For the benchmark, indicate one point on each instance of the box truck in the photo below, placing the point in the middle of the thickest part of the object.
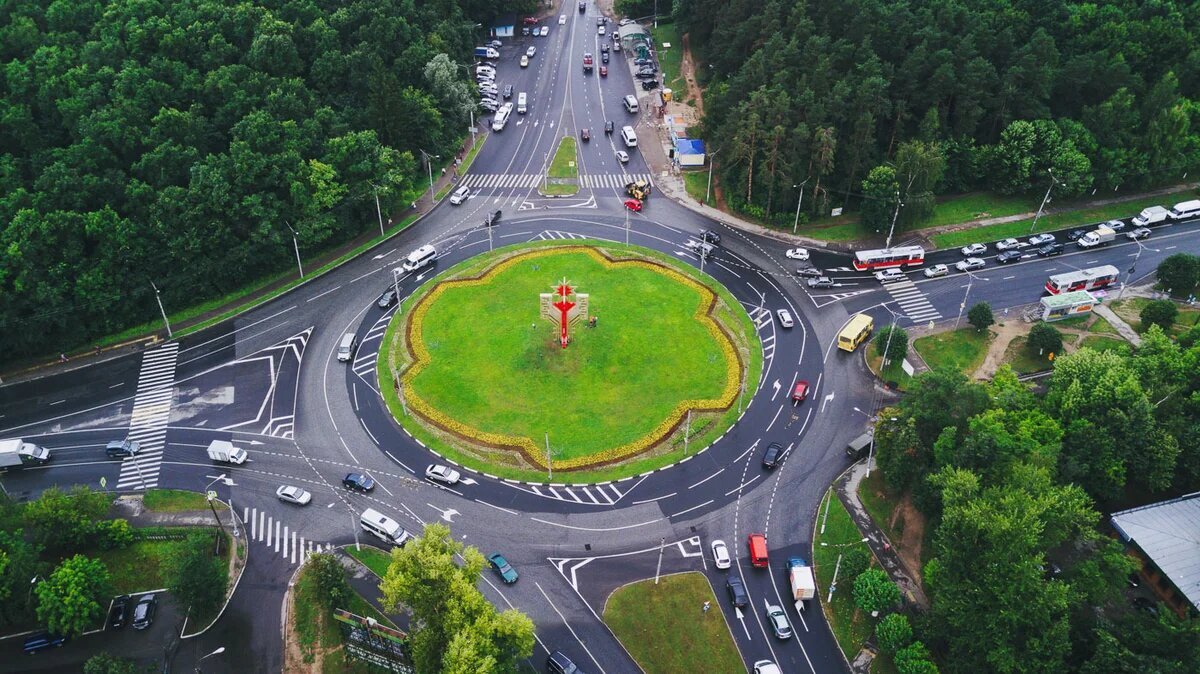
(223, 450)
(16, 453)
(800, 576)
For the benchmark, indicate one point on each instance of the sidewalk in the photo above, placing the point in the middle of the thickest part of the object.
(847, 491)
(1124, 329)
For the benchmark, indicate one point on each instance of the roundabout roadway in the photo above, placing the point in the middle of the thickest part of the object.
(269, 380)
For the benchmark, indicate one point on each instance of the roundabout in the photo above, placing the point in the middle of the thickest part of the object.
(480, 373)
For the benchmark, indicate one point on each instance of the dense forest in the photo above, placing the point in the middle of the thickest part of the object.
(177, 143)
(936, 96)
(1024, 573)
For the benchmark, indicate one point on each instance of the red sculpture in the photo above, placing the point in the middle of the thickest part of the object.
(564, 306)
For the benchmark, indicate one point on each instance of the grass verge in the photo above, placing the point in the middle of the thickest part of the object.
(565, 163)
(373, 558)
(670, 59)
(963, 350)
(665, 630)
(138, 566)
(975, 206)
(850, 626)
(1104, 343)
(1080, 216)
(177, 500)
(894, 372)
(559, 189)
(1024, 361)
(472, 152)
(696, 183)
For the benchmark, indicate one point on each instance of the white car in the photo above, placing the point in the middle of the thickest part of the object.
(524, 61)
(785, 318)
(1008, 244)
(485, 70)
(766, 667)
(443, 474)
(720, 554)
(545, 31)
(292, 494)
(797, 253)
(936, 271)
(973, 249)
(531, 52)
(623, 156)
(562, 19)
(1041, 239)
(600, 31)
(460, 195)
(488, 88)
(969, 264)
(888, 275)
(1139, 233)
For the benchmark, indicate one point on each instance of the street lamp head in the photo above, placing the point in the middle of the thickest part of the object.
(222, 648)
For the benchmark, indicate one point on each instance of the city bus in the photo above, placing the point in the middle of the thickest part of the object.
(868, 260)
(857, 329)
(1084, 279)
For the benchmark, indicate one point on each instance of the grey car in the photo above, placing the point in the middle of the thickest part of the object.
(820, 282)
(779, 622)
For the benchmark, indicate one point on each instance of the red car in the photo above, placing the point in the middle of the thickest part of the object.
(800, 392)
(530, 20)
(603, 71)
(634, 205)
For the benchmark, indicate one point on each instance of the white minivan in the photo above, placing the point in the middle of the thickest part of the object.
(345, 349)
(420, 257)
(1186, 210)
(631, 104)
(460, 195)
(383, 527)
(629, 136)
(521, 109)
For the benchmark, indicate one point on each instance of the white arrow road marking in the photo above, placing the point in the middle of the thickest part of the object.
(255, 442)
(742, 619)
(828, 399)
(447, 514)
(775, 385)
(467, 480)
(383, 255)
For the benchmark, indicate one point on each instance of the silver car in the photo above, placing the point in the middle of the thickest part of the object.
(820, 282)
(779, 622)
(970, 264)
(290, 494)
(785, 318)
(444, 474)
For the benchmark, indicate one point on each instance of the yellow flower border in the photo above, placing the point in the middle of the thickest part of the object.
(420, 358)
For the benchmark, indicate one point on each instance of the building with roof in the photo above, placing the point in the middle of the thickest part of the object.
(1166, 536)
(504, 26)
(1066, 305)
(689, 152)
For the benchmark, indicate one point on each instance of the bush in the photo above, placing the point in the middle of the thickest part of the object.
(1190, 338)
(1179, 273)
(114, 534)
(331, 579)
(1161, 313)
(981, 316)
(891, 343)
(1044, 339)
(893, 632)
(107, 663)
(874, 591)
(196, 577)
(66, 520)
(855, 560)
(914, 659)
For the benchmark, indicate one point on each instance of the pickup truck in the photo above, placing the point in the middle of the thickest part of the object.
(800, 576)
(1100, 236)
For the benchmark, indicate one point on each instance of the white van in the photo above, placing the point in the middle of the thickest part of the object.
(629, 136)
(420, 257)
(383, 527)
(1186, 210)
(346, 347)
(460, 195)
(631, 103)
(501, 117)
(521, 103)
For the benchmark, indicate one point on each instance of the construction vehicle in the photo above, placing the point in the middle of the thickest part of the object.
(638, 189)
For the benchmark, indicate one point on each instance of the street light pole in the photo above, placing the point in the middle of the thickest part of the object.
(1045, 199)
(429, 165)
(711, 161)
(162, 311)
(378, 210)
(1129, 274)
(961, 307)
(296, 243)
(216, 652)
(798, 202)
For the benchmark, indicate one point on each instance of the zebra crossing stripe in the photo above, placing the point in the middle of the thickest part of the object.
(528, 180)
(148, 418)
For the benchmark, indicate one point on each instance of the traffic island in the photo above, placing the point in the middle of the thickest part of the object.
(649, 369)
(562, 177)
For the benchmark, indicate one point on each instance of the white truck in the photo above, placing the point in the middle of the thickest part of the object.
(1100, 236)
(16, 453)
(1154, 215)
(800, 576)
(223, 450)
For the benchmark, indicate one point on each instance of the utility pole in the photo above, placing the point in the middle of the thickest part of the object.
(162, 311)
(895, 216)
(626, 226)
(961, 307)
(296, 243)
(687, 431)
(708, 191)
(378, 210)
(429, 166)
(549, 460)
(798, 202)
(1045, 200)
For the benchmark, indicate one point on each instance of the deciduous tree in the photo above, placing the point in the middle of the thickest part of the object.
(874, 591)
(69, 601)
(980, 316)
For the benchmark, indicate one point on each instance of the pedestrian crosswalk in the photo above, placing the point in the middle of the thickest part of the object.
(593, 494)
(549, 234)
(148, 420)
(530, 180)
(914, 303)
(762, 318)
(278, 537)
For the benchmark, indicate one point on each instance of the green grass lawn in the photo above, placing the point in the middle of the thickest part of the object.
(696, 183)
(1081, 216)
(1104, 343)
(1102, 327)
(893, 372)
(622, 379)
(963, 349)
(847, 231)
(851, 627)
(1024, 361)
(1131, 309)
(138, 567)
(670, 59)
(664, 629)
(565, 163)
(559, 189)
(977, 205)
(375, 559)
(176, 500)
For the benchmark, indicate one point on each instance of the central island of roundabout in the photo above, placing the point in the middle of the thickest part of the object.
(653, 365)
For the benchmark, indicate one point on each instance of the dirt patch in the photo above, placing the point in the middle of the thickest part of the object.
(1005, 333)
(909, 524)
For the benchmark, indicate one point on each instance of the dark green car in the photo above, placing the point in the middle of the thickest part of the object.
(503, 568)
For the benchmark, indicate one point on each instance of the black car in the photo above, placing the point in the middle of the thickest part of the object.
(737, 591)
(1050, 250)
(646, 76)
(119, 614)
(642, 60)
(585, 135)
(492, 219)
(608, 127)
(709, 236)
(143, 613)
(41, 641)
(647, 85)
(508, 91)
(559, 663)
(387, 299)
(357, 482)
(1008, 256)
(773, 454)
(604, 56)
(1074, 234)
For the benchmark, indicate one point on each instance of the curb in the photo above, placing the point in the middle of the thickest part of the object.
(812, 551)
(229, 598)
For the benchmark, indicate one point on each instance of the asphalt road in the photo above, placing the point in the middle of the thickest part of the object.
(270, 380)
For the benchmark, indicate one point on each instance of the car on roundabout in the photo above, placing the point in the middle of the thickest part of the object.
(502, 568)
(634, 205)
(292, 494)
(785, 318)
(772, 456)
(720, 553)
(800, 392)
(797, 254)
(387, 299)
(779, 622)
(358, 482)
(444, 474)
